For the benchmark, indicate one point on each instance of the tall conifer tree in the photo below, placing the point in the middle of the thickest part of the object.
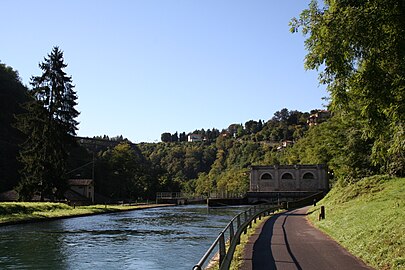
(49, 124)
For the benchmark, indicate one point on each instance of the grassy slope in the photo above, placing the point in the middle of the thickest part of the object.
(34, 211)
(368, 219)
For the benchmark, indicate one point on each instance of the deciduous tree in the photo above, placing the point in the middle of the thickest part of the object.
(360, 48)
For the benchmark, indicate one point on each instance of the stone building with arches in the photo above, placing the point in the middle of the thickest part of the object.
(289, 178)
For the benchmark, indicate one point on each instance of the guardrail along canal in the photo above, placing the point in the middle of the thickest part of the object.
(159, 238)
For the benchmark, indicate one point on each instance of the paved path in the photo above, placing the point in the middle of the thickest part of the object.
(288, 241)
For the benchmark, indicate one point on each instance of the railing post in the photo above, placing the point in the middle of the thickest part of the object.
(246, 217)
(222, 251)
(238, 222)
(231, 231)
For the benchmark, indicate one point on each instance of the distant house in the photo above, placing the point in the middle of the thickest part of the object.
(318, 117)
(83, 187)
(9, 196)
(194, 138)
(285, 144)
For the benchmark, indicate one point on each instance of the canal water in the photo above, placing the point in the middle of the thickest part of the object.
(159, 238)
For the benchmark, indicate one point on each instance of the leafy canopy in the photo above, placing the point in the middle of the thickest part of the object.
(360, 48)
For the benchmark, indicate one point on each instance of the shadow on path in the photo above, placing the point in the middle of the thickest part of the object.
(262, 255)
(287, 241)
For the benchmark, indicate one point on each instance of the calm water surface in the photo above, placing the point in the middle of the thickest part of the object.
(159, 238)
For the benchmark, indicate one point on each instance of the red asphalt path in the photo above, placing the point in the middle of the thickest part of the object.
(288, 241)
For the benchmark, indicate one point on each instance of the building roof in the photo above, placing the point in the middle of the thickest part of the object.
(9, 196)
(80, 182)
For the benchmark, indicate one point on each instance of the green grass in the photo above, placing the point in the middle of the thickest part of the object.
(368, 219)
(16, 212)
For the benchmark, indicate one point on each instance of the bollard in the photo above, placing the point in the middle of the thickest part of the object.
(322, 213)
(314, 202)
(284, 205)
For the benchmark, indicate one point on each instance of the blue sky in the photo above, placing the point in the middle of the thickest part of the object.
(144, 67)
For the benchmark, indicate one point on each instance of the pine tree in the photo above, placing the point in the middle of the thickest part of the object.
(49, 124)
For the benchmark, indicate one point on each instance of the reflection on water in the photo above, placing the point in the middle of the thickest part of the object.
(159, 238)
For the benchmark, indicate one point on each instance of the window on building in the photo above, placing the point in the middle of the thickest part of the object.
(266, 176)
(287, 176)
(308, 175)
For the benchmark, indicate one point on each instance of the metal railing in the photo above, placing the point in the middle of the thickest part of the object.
(234, 229)
(312, 199)
(169, 195)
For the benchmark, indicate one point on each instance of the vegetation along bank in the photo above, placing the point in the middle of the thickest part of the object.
(24, 212)
(368, 219)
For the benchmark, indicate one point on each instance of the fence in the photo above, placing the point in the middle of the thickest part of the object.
(234, 229)
(306, 201)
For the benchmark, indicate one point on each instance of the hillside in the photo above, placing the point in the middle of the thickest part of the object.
(367, 218)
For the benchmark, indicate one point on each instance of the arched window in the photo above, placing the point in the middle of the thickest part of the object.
(287, 176)
(266, 176)
(308, 175)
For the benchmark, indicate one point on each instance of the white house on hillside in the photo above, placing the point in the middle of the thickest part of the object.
(194, 138)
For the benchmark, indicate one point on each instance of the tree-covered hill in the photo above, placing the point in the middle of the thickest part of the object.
(358, 47)
(219, 163)
(12, 95)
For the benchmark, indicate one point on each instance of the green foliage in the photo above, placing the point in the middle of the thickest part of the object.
(360, 47)
(27, 208)
(12, 94)
(11, 213)
(339, 144)
(367, 219)
(177, 163)
(49, 125)
(166, 137)
(123, 173)
(285, 125)
(221, 163)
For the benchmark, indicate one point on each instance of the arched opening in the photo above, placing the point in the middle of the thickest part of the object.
(266, 176)
(287, 176)
(308, 175)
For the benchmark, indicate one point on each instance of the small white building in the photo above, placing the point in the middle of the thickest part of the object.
(84, 187)
(194, 138)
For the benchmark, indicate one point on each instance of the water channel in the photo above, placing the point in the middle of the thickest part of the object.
(159, 238)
